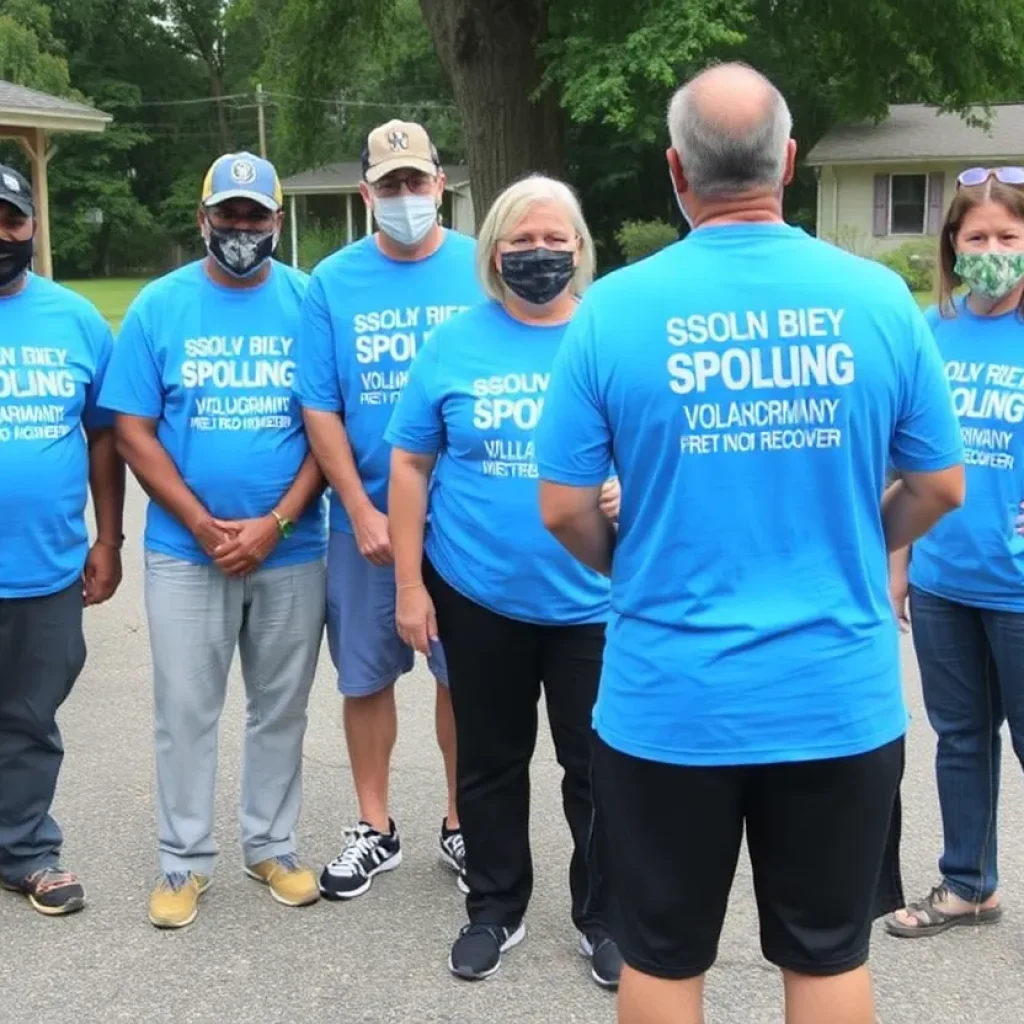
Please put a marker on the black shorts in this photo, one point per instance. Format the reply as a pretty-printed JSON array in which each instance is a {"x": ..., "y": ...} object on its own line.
[{"x": 667, "y": 839}]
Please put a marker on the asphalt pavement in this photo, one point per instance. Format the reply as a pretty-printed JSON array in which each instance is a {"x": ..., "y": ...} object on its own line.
[{"x": 383, "y": 958}]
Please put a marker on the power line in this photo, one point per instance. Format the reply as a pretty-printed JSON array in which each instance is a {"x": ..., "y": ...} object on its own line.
[
  {"x": 339, "y": 102},
  {"x": 197, "y": 100},
  {"x": 330, "y": 101}
]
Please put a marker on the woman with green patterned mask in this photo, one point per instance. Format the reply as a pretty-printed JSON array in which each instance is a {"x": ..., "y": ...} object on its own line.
[
  {"x": 983, "y": 248},
  {"x": 962, "y": 585}
]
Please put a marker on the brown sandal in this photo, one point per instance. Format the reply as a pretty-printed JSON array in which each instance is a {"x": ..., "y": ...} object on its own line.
[{"x": 933, "y": 921}]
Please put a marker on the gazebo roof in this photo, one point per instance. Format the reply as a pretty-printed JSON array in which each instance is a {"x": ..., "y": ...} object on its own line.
[{"x": 27, "y": 108}]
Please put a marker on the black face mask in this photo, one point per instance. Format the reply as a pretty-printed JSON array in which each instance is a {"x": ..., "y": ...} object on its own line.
[
  {"x": 14, "y": 260},
  {"x": 537, "y": 275},
  {"x": 240, "y": 253}
]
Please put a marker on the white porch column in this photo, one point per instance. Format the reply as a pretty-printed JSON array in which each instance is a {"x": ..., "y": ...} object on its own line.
[{"x": 294, "y": 231}]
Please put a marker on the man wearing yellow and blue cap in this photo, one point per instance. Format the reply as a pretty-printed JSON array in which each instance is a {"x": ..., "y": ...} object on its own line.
[
  {"x": 241, "y": 188},
  {"x": 235, "y": 540}
]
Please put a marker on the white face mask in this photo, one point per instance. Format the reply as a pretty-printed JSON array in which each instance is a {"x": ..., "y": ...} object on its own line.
[{"x": 406, "y": 218}]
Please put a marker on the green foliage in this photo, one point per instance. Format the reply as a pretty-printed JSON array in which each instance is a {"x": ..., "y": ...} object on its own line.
[
  {"x": 851, "y": 238},
  {"x": 834, "y": 58},
  {"x": 376, "y": 62},
  {"x": 640, "y": 238},
  {"x": 317, "y": 242},
  {"x": 915, "y": 263},
  {"x": 616, "y": 62},
  {"x": 29, "y": 54},
  {"x": 179, "y": 78}
]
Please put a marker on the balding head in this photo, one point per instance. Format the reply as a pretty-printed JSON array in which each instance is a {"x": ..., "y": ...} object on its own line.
[{"x": 730, "y": 127}]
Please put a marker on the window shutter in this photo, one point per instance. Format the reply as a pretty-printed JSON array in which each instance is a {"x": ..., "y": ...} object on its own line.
[
  {"x": 936, "y": 204},
  {"x": 881, "y": 225}
]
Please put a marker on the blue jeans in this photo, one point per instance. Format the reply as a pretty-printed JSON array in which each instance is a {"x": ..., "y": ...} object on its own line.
[{"x": 972, "y": 675}]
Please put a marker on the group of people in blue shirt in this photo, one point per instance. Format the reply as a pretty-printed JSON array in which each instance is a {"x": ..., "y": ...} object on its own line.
[{"x": 664, "y": 499}]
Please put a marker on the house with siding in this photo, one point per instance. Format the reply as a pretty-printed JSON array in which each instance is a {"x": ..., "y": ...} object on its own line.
[{"x": 883, "y": 185}]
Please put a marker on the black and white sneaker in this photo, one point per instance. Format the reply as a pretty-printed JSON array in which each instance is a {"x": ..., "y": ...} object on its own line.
[
  {"x": 453, "y": 853},
  {"x": 367, "y": 853},
  {"x": 476, "y": 953},
  {"x": 605, "y": 959}
]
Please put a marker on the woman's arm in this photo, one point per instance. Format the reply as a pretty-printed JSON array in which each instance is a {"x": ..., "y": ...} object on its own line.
[{"x": 407, "y": 515}]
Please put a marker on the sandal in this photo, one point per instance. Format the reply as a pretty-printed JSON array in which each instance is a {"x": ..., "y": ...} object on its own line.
[{"x": 933, "y": 921}]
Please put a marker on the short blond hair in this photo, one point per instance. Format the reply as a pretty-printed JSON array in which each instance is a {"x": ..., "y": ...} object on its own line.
[{"x": 509, "y": 209}]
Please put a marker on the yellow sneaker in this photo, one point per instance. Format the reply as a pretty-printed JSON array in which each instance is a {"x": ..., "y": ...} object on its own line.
[
  {"x": 174, "y": 903},
  {"x": 289, "y": 882}
]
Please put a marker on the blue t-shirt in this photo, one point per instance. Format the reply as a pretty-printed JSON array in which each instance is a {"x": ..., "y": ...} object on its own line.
[
  {"x": 750, "y": 384},
  {"x": 974, "y": 555},
  {"x": 214, "y": 367},
  {"x": 474, "y": 396},
  {"x": 54, "y": 350},
  {"x": 364, "y": 318}
]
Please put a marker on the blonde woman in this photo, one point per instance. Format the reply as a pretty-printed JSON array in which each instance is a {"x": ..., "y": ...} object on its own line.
[{"x": 512, "y": 610}]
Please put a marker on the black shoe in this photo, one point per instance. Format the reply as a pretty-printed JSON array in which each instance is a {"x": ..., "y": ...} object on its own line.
[
  {"x": 453, "y": 853},
  {"x": 367, "y": 853},
  {"x": 50, "y": 891},
  {"x": 476, "y": 953},
  {"x": 605, "y": 959}
]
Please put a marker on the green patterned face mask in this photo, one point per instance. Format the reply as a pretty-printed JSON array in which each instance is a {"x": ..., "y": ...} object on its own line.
[{"x": 991, "y": 275}]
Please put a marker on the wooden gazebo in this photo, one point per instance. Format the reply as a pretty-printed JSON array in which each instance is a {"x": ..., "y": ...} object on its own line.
[{"x": 32, "y": 117}]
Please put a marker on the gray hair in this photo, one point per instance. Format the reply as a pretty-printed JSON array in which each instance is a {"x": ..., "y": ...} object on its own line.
[
  {"x": 509, "y": 209},
  {"x": 723, "y": 158}
]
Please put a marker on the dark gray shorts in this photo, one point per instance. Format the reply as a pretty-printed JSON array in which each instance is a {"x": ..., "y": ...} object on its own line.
[{"x": 364, "y": 643}]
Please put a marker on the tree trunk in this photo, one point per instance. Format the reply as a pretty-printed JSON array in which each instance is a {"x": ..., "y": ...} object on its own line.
[
  {"x": 217, "y": 89},
  {"x": 488, "y": 49}
]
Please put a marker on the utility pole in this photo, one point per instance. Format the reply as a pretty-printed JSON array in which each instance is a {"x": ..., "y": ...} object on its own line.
[{"x": 261, "y": 118}]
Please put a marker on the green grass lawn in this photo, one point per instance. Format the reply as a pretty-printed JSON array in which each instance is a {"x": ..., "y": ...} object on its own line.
[
  {"x": 109, "y": 295},
  {"x": 112, "y": 295}
]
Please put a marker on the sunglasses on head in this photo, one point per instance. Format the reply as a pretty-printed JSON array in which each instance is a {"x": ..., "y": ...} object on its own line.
[{"x": 979, "y": 175}]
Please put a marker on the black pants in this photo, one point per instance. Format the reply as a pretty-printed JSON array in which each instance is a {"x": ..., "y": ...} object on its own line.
[
  {"x": 495, "y": 670},
  {"x": 889, "y": 896},
  {"x": 42, "y": 652},
  {"x": 817, "y": 832}
]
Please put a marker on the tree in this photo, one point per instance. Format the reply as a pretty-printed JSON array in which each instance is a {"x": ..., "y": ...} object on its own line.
[
  {"x": 524, "y": 72},
  {"x": 490, "y": 50},
  {"x": 197, "y": 26},
  {"x": 29, "y": 53}
]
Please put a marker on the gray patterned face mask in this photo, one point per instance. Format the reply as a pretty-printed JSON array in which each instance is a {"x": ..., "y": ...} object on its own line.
[
  {"x": 240, "y": 253},
  {"x": 538, "y": 276},
  {"x": 992, "y": 275}
]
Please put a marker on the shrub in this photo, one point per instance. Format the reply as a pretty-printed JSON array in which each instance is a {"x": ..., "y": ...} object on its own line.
[
  {"x": 640, "y": 238},
  {"x": 915, "y": 263},
  {"x": 317, "y": 242},
  {"x": 851, "y": 238}
]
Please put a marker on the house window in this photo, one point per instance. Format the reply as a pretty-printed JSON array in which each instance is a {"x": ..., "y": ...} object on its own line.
[{"x": 908, "y": 204}]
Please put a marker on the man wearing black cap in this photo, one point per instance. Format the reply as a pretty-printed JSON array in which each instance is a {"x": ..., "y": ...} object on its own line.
[{"x": 55, "y": 442}]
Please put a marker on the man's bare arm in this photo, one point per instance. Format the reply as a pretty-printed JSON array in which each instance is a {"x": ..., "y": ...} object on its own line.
[
  {"x": 148, "y": 459},
  {"x": 573, "y": 515},
  {"x": 917, "y": 501},
  {"x": 329, "y": 442},
  {"x": 107, "y": 483}
]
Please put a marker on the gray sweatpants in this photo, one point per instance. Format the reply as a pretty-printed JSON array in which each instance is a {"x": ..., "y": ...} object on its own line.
[
  {"x": 42, "y": 651},
  {"x": 197, "y": 617}
]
